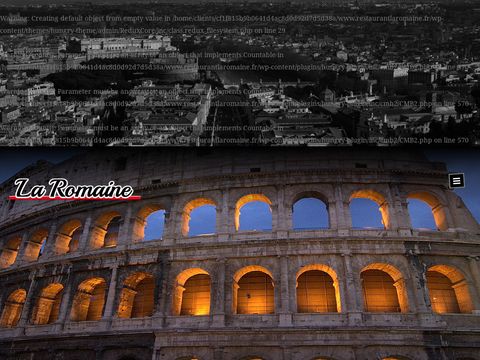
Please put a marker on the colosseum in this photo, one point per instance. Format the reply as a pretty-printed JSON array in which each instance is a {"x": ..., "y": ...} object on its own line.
[{"x": 80, "y": 280}]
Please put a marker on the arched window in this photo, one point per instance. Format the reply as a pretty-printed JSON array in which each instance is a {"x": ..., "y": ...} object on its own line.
[
  {"x": 192, "y": 293},
  {"x": 68, "y": 237},
  {"x": 422, "y": 219},
  {"x": 149, "y": 223},
  {"x": 47, "y": 307},
  {"x": 36, "y": 245},
  {"x": 369, "y": 209},
  {"x": 137, "y": 296},
  {"x": 421, "y": 215},
  {"x": 106, "y": 230},
  {"x": 89, "y": 300},
  {"x": 254, "y": 291},
  {"x": 316, "y": 292},
  {"x": 155, "y": 225},
  {"x": 10, "y": 252},
  {"x": 253, "y": 213},
  {"x": 310, "y": 213},
  {"x": 12, "y": 309},
  {"x": 380, "y": 294},
  {"x": 199, "y": 217},
  {"x": 448, "y": 290}
]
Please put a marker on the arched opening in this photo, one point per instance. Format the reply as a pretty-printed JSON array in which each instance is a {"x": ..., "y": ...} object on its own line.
[
  {"x": 68, "y": 237},
  {"x": 192, "y": 293},
  {"x": 149, "y": 224},
  {"x": 106, "y": 230},
  {"x": 12, "y": 309},
  {"x": 317, "y": 290},
  {"x": 384, "y": 289},
  {"x": 47, "y": 307},
  {"x": 36, "y": 245},
  {"x": 253, "y": 213},
  {"x": 89, "y": 300},
  {"x": 10, "y": 252},
  {"x": 253, "y": 290},
  {"x": 421, "y": 216},
  {"x": 155, "y": 225},
  {"x": 448, "y": 290},
  {"x": 199, "y": 217},
  {"x": 137, "y": 296},
  {"x": 369, "y": 210},
  {"x": 436, "y": 208},
  {"x": 310, "y": 213}
]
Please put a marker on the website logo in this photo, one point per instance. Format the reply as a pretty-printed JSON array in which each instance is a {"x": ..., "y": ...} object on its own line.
[{"x": 61, "y": 189}]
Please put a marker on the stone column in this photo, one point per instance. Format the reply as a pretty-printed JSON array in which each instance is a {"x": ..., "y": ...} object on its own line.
[
  {"x": 125, "y": 231},
  {"x": 223, "y": 217},
  {"x": 49, "y": 249},
  {"x": 352, "y": 292},
  {"x": 217, "y": 295},
  {"x": 21, "y": 251},
  {"x": 65, "y": 304},
  {"x": 344, "y": 220},
  {"x": 27, "y": 305},
  {"x": 473, "y": 263},
  {"x": 83, "y": 243},
  {"x": 109, "y": 304},
  {"x": 285, "y": 316},
  {"x": 280, "y": 218}
]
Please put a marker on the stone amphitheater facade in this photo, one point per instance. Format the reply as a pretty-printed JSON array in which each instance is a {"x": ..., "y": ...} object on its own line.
[{"x": 392, "y": 293}]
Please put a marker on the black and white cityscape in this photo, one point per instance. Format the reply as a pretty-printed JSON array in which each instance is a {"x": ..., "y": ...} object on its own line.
[{"x": 243, "y": 73}]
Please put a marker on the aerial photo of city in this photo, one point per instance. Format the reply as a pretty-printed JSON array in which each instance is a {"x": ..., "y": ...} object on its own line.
[{"x": 244, "y": 73}]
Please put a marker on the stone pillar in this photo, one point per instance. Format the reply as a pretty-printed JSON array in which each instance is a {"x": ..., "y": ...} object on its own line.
[
  {"x": 344, "y": 220},
  {"x": 474, "y": 264},
  {"x": 223, "y": 217},
  {"x": 21, "y": 251},
  {"x": 177, "y": 299},
  {"x": 418, "y": 285},
  {"x": 109, "y": 304},
  {"x": 352, "y": 292},
  {"x": 65, "y": 304},
  {"x": 83, "y": 243},
  {"x": 27, "y": 305},
  {"x": 280, "y": 218},
  {"x": 217, "y": 295},
  {"x": 125, "y": 231},
  {"x": 282, "y": 290},
  {"x": 50, "y": 242}
]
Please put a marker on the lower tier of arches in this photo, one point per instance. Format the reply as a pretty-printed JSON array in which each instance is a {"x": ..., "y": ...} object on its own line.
[{"x": 267, "y": 344}]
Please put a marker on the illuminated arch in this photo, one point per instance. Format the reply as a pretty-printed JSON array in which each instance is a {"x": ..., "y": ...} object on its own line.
[
  {"x": 322, "y": 294},
  {"x": 137, "y": 296},
  {"x": 379, "y": 199},
  {"x": 448, "y": 290},
  {"x": 10, "y": 252},
  {"x": 141, "y": 221},
  {"x": 245, "y": 200},
  {"x": 35, "y": 245},
  {"x": 89, "y": 300},
  {"x": 12, "y": 309},
  {"x": 253, "y": 291},
  {"x": 103, "y": 235},
  {"x": 187, "y": 211},
  {"x": 47, "y": 307},
  {"x": 321, "y": 202},
  {"x": 438, "y": 211},
  {"x": 192, "y": 292},
  {"x": 384, "y": 288},
  {"x": 68, "y": 237}
]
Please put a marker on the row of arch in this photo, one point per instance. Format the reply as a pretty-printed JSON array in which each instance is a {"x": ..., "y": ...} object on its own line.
[
  {"x": 255, "y": 209},
  {"x": 317, "y": 291}
]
